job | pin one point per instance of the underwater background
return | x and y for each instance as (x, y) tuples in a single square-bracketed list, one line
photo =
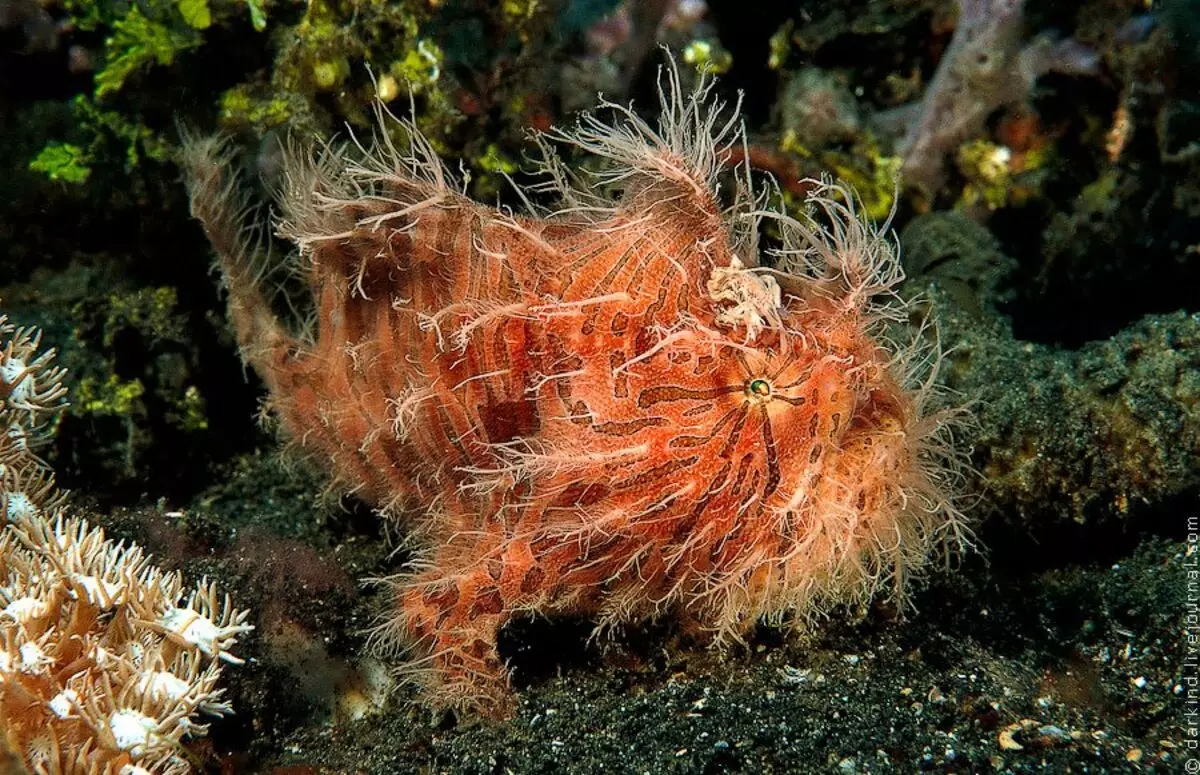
[(1048, 211)]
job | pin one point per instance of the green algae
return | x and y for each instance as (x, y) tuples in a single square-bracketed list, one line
[(62, 161)]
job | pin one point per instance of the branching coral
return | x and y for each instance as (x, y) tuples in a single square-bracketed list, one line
[(105, 660), (986, 67)]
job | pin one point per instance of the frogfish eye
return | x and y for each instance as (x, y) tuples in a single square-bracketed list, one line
[(759, 388)]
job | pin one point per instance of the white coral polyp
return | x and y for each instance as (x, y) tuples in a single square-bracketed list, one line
[(19, 436), (135, 653), (132, 731), (63, 704), (33, 659), (101, 656), (19, 507), (100, 593), (25, 609), (163, 685), (14, 373), (78, 610), (199, 631)]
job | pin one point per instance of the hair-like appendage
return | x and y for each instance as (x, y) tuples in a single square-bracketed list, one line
[(330, 189), (853, 259), (674, 166)]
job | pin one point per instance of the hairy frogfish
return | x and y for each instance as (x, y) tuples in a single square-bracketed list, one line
[(618, 406)]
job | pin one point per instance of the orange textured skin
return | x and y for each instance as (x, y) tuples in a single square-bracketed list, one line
[(576, 415)]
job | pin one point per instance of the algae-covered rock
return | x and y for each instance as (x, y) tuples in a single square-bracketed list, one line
[(1086, 435), (1108, 431), (141, 402), (962, 257)]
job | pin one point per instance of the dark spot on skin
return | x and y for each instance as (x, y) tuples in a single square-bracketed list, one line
[(580, 413), (533, 580), (443, 599), (488, 602), (504, 421)]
